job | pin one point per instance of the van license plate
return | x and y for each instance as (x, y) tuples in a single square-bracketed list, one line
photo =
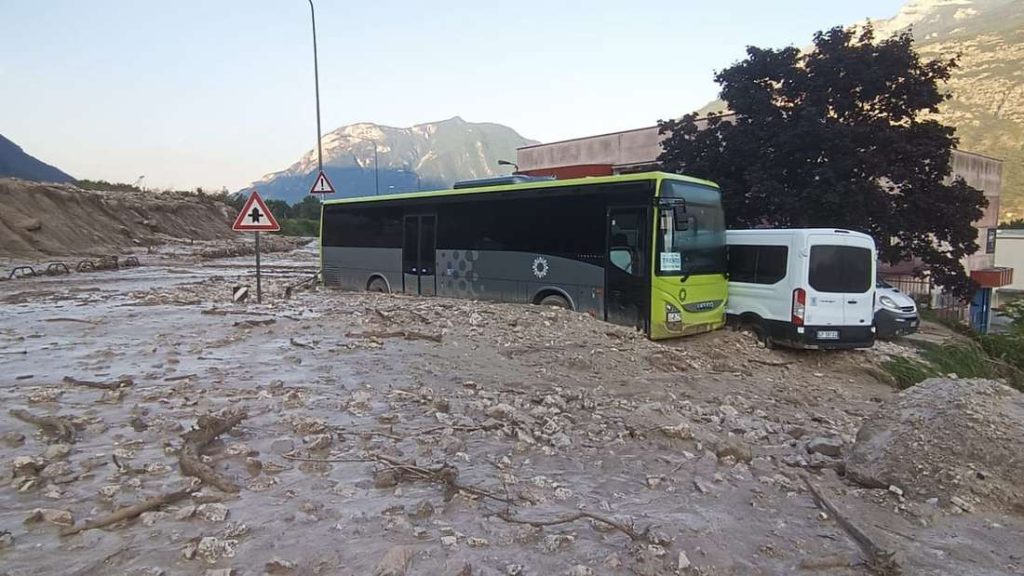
[(828, 334)]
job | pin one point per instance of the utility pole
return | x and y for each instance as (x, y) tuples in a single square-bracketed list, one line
[(316, 84)]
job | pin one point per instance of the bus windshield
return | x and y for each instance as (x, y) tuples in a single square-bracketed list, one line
[(691, 234)]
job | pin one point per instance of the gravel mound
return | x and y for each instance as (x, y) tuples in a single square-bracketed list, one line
[(961, 441)]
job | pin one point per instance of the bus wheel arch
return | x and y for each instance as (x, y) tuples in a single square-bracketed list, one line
[(553, 297), (378, 283)]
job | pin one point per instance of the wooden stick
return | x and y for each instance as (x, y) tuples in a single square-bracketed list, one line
[(405, 334), (189, 458), (52, 424), (633, 535), (129, 512), (878, 560), (122, 383)]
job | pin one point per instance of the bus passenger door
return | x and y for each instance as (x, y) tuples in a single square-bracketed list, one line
[(419, 255), (626, 271)]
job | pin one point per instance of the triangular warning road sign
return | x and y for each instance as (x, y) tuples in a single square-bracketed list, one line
[(322, 185), (255, 216)]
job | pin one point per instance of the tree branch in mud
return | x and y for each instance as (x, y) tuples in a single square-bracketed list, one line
[(190, 457), (129, 512), (115, 385), (628, 531), (879, 560), (405, 334), (60, 427)]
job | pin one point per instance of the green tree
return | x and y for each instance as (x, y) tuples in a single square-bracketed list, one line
[(308, 208), (838, 136)]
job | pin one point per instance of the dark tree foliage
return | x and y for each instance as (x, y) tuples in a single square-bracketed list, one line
[(838, 137)]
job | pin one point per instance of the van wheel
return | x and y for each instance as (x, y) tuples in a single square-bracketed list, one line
[(378, 285), (554, 300)]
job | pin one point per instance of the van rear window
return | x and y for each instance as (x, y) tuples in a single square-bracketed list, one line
[(840, 269)]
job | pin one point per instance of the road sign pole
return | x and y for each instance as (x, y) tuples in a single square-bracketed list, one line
[(259, 285)]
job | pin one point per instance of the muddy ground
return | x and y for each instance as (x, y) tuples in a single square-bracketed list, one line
[(390, 434)]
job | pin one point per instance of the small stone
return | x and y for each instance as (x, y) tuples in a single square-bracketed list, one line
[(423, 510), (450, 542), (110, 490), (12, 439), (932, 501), (580, 570), (220, 572), (728, 411), (796, 432), (701, 486), (51, 515), (477, 542), (683, 562), (896, 490), (501, 411), (561, 440), (185, 513), (555, 542), (279, 566), (57, 469), (736, 448), (151, 518), (56, 451), (513, 569), (961, 504), (6, 540), (681, 431), (318, 441), (282, 445), (828, 446), (212, 549), (654, 481), (25, 466), (612, 561), (212, 512)]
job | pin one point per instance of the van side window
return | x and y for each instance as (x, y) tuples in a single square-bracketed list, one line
[(757, 264), (772, 262), (742, 263)]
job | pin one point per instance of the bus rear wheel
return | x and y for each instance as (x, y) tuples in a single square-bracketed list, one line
[(555, 300), (378, 285)]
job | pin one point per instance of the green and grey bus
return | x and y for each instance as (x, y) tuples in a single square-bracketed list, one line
[(644, 250)]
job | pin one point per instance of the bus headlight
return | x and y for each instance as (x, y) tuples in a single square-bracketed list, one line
[(672, 314)]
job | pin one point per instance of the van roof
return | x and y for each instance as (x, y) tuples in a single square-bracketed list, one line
[(796, 232)]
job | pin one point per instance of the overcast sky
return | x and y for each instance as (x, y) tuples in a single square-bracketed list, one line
[(219, 92)]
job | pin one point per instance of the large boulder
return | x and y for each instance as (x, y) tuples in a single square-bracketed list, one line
[(961, 441)]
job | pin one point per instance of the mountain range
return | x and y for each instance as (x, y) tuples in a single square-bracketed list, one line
[(14, 162), (364, 159)]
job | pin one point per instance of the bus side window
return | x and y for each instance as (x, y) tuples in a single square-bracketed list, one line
[(620, 253)]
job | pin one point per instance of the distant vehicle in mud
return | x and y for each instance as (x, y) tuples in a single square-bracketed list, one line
[(644, 250), (895, 312), (803, 288)]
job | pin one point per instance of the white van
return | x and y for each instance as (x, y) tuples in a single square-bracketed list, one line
[(803, 288)]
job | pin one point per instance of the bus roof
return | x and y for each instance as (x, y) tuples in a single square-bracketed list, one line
[(639, 176)]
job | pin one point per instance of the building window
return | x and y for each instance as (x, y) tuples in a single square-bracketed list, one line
[(990, 241)]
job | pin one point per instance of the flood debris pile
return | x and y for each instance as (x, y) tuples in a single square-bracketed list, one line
[(954, 442)]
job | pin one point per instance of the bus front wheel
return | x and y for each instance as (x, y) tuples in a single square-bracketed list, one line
[(555, 300), (378, 285)]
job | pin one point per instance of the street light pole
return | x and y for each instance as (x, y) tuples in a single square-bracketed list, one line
[(316, 81)]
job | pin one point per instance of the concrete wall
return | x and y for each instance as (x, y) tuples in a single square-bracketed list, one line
[(985, 174)]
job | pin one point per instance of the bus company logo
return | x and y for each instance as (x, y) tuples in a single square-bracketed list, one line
[(540, 267)]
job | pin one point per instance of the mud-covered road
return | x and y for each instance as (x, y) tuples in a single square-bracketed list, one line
[(389, 434)]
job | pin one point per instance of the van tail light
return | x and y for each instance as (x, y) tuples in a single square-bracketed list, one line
[(799, 306)]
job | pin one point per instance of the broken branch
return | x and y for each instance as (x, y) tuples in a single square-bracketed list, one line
[(122, 383), (878, 560), (55, 425), (129, 512), (405, 334), (190, 456), (628, 531)]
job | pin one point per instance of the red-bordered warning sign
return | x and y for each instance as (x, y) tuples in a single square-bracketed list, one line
[(322, 185), (255, 216)]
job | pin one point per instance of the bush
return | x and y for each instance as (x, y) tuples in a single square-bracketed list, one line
[(990, 357)]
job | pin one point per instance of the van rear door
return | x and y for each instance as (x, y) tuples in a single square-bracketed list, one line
[(839, 279)]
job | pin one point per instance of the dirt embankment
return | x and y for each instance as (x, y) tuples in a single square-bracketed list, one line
[(56, 220)]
